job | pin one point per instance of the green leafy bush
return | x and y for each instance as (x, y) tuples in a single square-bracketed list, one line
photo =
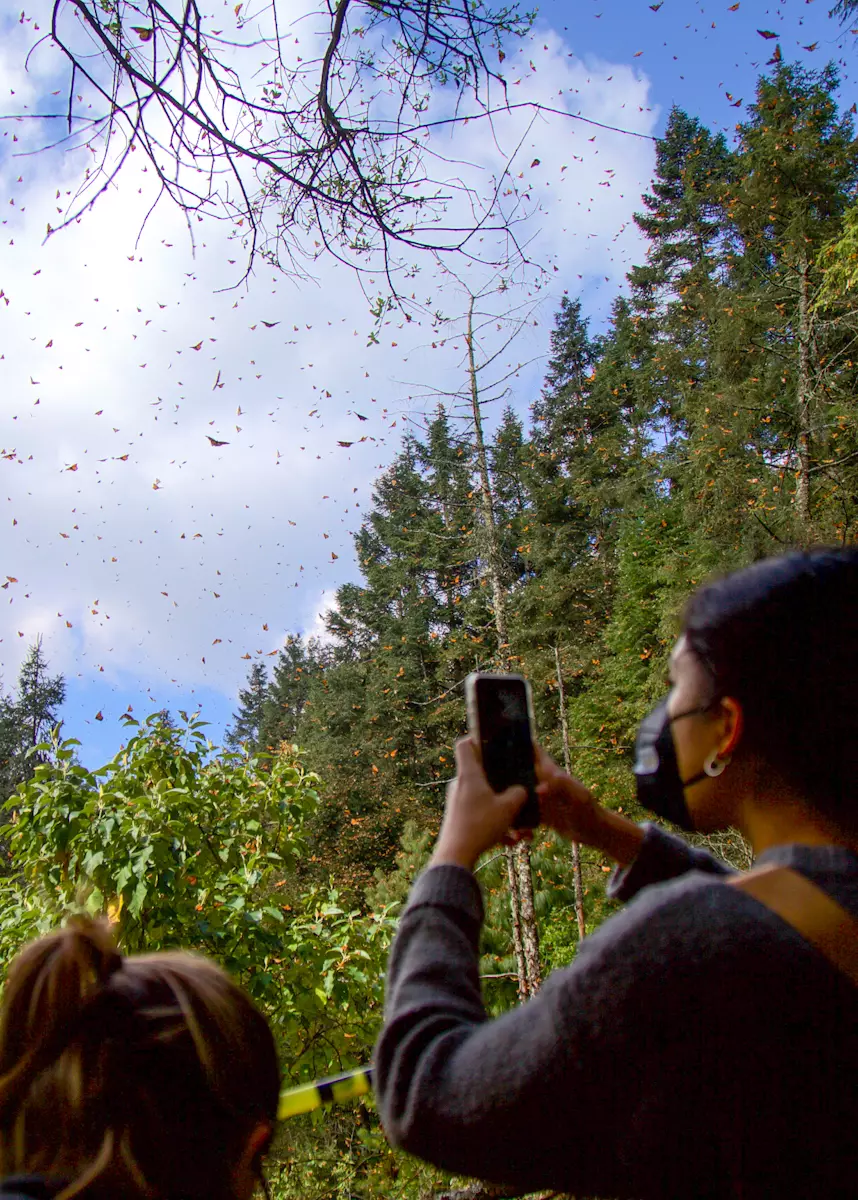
[(182, 844)]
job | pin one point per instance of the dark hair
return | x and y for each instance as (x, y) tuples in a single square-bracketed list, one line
[(781, 637), (139, 1076)]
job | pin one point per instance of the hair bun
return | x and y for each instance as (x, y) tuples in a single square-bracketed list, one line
[(49, 985), (93, 940)]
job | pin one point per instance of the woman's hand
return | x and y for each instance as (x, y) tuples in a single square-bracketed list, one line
[(573, 812), (475, 817), (565, 805)]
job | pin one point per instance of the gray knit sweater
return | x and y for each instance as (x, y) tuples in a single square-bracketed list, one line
[(697, 1046)]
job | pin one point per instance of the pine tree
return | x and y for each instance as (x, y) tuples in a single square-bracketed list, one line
[(381, 719), (287, 693), (27, 719), (674, 304), (844, 9), (247, 722), (560, 537), (787, 369), (671, 293), (12, 747), (588, 464), (684, 217), (509, 458)]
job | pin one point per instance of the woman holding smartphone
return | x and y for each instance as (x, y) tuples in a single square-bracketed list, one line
[(699, 1045)]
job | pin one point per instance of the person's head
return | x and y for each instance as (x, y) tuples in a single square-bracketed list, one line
[(766, 670), (152, 1075)]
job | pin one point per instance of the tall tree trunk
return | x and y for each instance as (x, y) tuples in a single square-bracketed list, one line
[(515, 913), (577, 879), (525, 929), (495, 566), (529, 926), (804, 397)]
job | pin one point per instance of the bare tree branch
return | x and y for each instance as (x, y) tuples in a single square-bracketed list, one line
[(324, 153)]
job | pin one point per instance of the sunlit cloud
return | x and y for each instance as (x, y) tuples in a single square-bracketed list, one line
[(141, 550)]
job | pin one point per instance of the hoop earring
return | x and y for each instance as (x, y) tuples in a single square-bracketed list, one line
[(715, 766)]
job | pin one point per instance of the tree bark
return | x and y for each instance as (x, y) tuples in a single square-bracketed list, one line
[(493, 555), (529, 926), (577, 878), (515, 913), (804, 397), (525, 931)]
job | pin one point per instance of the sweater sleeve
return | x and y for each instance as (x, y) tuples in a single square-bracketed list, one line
[(579, 1089), (662, 856)]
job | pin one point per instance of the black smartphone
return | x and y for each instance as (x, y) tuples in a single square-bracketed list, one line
[(500, 723)]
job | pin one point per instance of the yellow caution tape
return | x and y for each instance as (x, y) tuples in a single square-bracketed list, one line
[(335, 1090)]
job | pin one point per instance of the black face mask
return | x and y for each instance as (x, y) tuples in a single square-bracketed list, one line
[(660, 788)]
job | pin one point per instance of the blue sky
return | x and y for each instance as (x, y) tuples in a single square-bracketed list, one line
[(694, 53), (156, 567)]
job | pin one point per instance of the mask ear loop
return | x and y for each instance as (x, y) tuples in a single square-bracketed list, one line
[(714, 764)]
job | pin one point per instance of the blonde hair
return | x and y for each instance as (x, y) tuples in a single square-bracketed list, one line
[(144, 1075)]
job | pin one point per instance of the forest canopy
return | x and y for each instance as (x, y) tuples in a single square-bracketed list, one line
[(712, 423)]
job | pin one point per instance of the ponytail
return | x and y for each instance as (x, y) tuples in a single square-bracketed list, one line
[(141, 1075), (47, 990)]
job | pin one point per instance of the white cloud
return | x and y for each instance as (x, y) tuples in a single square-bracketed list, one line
[(99, 362), (325, 605)]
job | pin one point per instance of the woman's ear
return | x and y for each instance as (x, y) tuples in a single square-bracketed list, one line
[(248, 1169), (734, 725)]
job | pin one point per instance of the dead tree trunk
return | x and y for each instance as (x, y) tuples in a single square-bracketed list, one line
[(804, 398), (520, 874), (493, 555), (577, 879), (515, 915), (529, 926)]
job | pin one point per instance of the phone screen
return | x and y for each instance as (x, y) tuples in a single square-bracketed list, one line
[(505, 733), (500, 720)]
